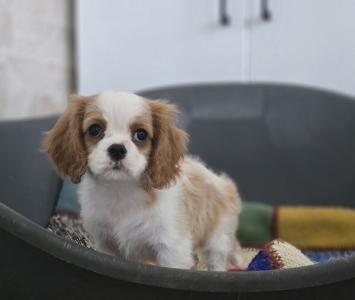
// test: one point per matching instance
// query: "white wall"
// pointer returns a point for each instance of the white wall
(138, 44)
(130, 45)
(307, 42)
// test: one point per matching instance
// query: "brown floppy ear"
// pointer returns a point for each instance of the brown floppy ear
(64, 143)
(169, 145)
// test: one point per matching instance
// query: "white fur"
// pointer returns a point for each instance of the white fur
(116, 210)
(119, 109)
(120, 212)
(218, 247)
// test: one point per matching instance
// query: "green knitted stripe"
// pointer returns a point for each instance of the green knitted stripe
(255, 225)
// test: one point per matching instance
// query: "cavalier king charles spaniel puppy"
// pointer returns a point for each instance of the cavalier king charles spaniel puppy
(141, 197)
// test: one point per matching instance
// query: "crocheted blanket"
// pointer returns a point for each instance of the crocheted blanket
(307, 227)
(322, 233)
(275, 255)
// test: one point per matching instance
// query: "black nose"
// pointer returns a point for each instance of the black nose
(117, 151)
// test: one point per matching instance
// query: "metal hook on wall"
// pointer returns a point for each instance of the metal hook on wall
(224, 18)
(265, 11)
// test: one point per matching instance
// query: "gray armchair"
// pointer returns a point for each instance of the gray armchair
(282, 144)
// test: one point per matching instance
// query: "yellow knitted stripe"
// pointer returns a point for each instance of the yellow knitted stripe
(317, 227)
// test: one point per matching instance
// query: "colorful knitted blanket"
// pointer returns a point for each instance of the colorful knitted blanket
(277, 254)
(321, 233)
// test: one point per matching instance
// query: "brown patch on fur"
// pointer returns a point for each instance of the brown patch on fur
(93, 115)
(143, 122)
(169, 145)
(64, 143)
(208, 199)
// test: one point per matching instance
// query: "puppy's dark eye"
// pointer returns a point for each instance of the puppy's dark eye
(95, 130)
(140, 135)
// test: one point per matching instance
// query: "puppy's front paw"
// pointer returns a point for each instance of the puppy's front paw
(178, 256)
(237, 262)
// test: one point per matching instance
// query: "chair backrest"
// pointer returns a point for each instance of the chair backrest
(282, 144)
(28, 182)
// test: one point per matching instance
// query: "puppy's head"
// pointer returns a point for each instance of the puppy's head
(118, 136)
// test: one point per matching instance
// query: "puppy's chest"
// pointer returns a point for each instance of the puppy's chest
(126, 215)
